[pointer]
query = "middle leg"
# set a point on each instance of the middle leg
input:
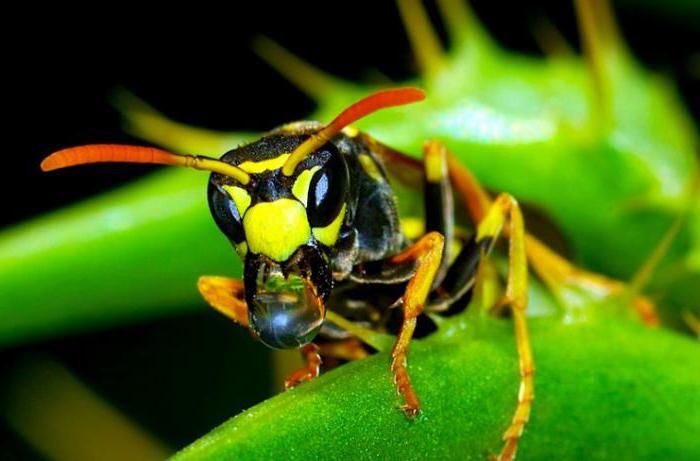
(494, 223)
(500, 216)
(553, 269)
(426, 254)
(430, 256)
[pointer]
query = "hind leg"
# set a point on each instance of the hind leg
(505, 212)
(553, 269)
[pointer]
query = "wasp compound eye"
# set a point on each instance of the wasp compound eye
(327, 191)
(225, 213)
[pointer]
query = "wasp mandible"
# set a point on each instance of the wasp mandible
(311, 212)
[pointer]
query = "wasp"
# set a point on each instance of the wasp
(311, 212)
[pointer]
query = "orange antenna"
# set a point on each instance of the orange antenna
(116, 153)
(362, 108)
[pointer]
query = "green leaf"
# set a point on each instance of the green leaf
(605, 389)
(130, 254)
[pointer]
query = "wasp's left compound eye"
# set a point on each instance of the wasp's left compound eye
(327, 191)
(225, 213)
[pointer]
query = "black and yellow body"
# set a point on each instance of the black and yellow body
(311, 212)
(336, 213)
(328, 236)
(335, 222)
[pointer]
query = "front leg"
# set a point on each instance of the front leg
(312, 357)
(226, 295)
(426, 253)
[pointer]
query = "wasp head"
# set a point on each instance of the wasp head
(282, 201)
(284, 228)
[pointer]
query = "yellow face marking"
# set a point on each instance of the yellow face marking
(240, 197)
(276, 229)
(370, 167)
(329, 234)
(302, 183)
(264, 165)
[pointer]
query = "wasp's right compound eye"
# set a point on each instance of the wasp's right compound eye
(225, 213)
(327, 191)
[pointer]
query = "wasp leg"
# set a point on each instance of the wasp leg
(553, 269)
(454, 293)
(307, 372)
(426, 253)
(334, 352)
(226, 296)
(557, 271)
(516, 297)
(348, 349)
(437, 191)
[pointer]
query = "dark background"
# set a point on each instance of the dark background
(194, 64)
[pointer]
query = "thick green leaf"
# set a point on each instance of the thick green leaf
(129, 254)
(605, 389)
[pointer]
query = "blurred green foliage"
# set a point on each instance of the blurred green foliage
(131, 254)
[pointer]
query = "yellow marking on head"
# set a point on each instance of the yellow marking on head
(302, 183)
(264, 165)
(240, 197)
(276, 229)
(242, 249)
(329, 234)
(370, 167)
